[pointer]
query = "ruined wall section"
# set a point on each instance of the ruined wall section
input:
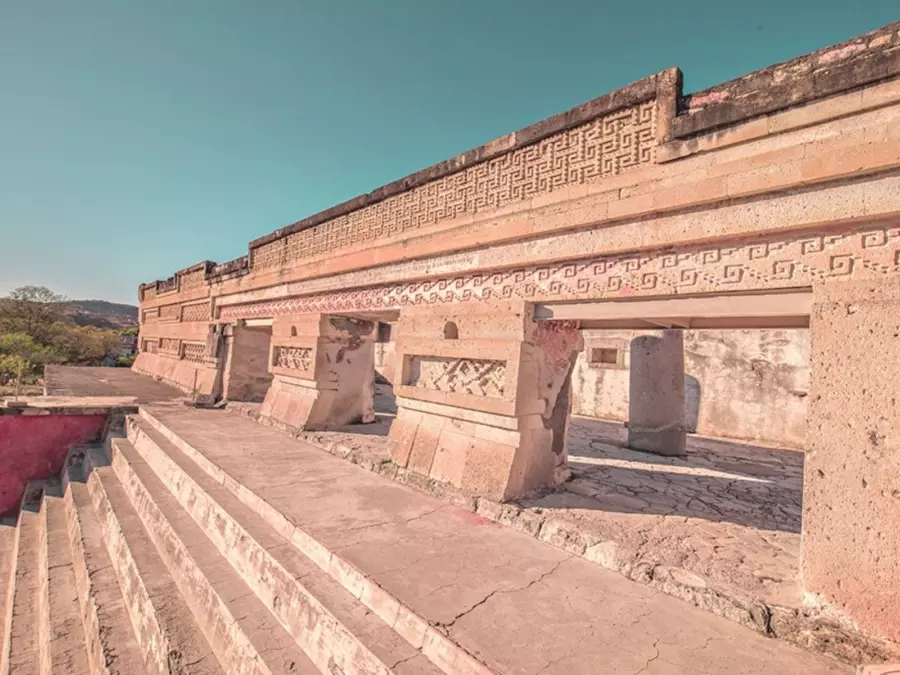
(630, 194)
(177, 341)
(743, 384)
(833, 70)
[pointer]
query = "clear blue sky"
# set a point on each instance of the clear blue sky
(138, 137)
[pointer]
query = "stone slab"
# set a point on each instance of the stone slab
(80, 381)
(462, 571)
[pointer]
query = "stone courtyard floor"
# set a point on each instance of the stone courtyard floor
(725, 520)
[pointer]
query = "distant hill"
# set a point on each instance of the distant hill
(101, 314)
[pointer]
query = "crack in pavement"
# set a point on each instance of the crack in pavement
(404, 521)
(498, 591)
(651, 659)
(404, 660)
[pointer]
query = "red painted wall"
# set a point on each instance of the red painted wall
(33, 447)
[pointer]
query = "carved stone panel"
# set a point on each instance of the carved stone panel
(170, 312)
(787, 261)
(193, 280)
(196, 312)
(195, 352)
(292, 358)
(169, 345)
(603, 147)
(478, 377)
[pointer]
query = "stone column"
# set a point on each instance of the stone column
(483, 397)
(656, 394)
(246, 375)
(851, 489)
(324, 371)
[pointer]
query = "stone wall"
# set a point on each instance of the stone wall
(743, 384)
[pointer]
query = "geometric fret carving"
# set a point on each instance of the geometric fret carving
(292, 358)
(170, 312)
(193, 280)
(193, 352)
(781, 262)
(168, 345)
(150, 346)
(478, 377)
(196, 312)
(605, 146)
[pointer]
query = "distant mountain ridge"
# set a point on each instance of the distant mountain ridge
(101, 314)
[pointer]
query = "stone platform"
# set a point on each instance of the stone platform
(718, 528)
(80, 381)
(724, 518)
(513, 603)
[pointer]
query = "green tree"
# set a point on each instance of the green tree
(32, 310)
(36, 294)
(20, 357)
(34, 331)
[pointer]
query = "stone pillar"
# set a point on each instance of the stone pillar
(323, 368)
(656, 394)
(483, 397)
(246, 375)
(851, 489)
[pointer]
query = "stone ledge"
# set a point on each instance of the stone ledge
(68, 405)
(834, 69)
(812, 628)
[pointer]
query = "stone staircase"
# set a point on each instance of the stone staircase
(147, 557)
(107, 571)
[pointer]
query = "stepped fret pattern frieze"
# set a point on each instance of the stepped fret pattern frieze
(194, 352)
(169, 312)
(193, 280)
(196, 312)
(747, 265)
(603, 147)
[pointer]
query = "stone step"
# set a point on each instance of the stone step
(8, 534)
(246, 637)
(63, 646)
(163, 624)
(22, 642)
(332, 626)
(112, 648)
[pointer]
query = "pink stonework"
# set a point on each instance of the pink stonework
(34, 447)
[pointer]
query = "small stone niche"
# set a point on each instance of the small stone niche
(606, 357)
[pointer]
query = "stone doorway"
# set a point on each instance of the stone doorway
(247, 375)
(718, 518)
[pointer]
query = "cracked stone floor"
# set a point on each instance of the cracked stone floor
(726, 517)
(521, 606)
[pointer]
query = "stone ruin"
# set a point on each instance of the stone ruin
(561, 270)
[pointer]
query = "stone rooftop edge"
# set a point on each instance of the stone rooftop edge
(837, 68)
